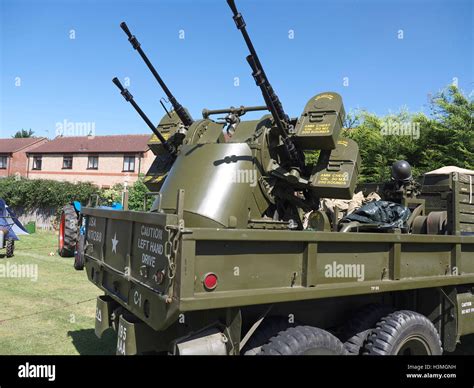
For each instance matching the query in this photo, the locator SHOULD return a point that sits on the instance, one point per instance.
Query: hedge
(45, 193)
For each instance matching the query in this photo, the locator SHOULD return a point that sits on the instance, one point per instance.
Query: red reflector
(210, 281)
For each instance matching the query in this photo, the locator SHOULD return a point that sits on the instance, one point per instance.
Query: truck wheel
(79, 254)
(303, 340)
(68, 231)
(10, 247)
(404, 333)
(269, 328)
(356, 331)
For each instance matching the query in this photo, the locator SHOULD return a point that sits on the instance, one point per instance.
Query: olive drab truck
(236, 255)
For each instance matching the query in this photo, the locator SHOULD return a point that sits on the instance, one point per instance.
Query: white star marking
(114, 243)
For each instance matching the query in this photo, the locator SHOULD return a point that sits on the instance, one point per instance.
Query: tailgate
(131, 255)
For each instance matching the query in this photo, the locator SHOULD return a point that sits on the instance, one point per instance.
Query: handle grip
(124, 27)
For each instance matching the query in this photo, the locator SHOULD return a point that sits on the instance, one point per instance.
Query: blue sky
(47, 78)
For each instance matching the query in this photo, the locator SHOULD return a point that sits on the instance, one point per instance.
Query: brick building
(102, 160)
(13, 158)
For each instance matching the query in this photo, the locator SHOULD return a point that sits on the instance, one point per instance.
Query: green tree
(445, 137)
(382, 141)
(23, 133)
(448, 136)
(136, 195)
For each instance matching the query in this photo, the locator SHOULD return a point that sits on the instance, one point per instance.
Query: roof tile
(94, 144)
(8, 146)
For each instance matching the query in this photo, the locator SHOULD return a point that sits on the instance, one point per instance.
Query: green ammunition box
(320, 123)
(337, 178)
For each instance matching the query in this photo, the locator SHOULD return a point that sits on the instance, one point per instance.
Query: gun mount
(256, 167)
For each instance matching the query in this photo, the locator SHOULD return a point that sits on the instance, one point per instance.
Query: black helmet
(401, 171)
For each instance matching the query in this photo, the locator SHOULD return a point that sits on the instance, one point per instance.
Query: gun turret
(182, 113)
(129, 98)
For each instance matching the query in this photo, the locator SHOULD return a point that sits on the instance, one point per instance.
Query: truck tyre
(68, 231)
(357, 330)
(269, 328)
(9, 247)
(79, 254)
(303, 340)
(404, 333)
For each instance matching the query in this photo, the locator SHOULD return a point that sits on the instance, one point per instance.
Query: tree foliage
(43, 193)
(23, 133)
(427, 142)
(136, 195)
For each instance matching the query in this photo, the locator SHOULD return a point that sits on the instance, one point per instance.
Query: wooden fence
(45, 218)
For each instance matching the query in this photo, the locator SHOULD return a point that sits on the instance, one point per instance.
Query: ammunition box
(321, 122)
(452, 192)
(338, 178)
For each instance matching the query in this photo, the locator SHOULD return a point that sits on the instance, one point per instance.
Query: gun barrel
(184, 116)
(260, 81)
(129, 98)
(240, 23)
(269, 99)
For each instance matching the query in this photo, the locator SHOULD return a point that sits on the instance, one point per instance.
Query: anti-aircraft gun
(222, 257)
(270, 150)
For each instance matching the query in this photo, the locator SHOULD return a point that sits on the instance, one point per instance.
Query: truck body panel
(304, 264)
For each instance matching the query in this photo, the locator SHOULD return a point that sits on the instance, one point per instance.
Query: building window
(129, 163)
(37, 162)
(3, 162)
(93, 163)
(67, 162)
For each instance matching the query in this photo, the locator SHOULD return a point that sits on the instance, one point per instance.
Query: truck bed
(256, 266)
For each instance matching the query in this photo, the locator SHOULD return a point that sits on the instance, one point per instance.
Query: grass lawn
(56, 313)
(53, 315)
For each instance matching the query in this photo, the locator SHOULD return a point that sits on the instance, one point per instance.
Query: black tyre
(303, 340)
(404, 333)
(269, 328)
(68, 231)
(10, 247)
(79, 254)
(357, 330)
